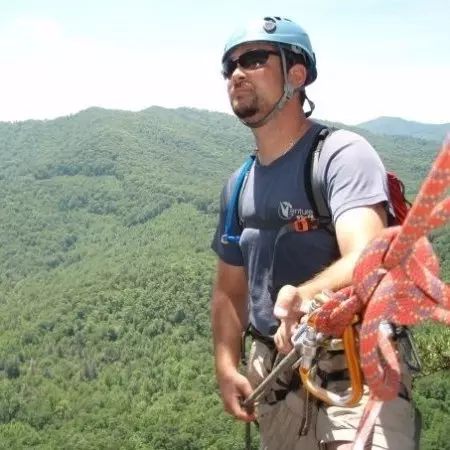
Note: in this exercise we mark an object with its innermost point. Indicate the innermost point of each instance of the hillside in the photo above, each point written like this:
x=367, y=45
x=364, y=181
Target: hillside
x=105, y=280
x=398, y=126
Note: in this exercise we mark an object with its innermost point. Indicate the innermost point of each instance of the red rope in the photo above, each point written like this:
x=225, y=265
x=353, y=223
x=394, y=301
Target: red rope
x=397, y=280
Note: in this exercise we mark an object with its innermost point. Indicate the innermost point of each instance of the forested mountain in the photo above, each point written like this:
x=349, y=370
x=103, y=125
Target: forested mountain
x=105, y=281
x=398, y=126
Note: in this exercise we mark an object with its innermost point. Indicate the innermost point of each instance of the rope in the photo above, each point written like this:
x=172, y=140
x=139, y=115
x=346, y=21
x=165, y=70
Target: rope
x=396, y=280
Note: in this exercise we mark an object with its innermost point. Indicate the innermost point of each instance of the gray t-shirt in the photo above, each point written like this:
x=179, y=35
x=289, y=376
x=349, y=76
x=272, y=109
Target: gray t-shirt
x=352, y=175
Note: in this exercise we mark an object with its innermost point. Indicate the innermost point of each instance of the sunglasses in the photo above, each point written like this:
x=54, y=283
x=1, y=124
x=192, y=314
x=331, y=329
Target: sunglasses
x=251, y=60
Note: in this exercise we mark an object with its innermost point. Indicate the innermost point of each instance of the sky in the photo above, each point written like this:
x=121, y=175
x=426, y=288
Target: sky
x=375, y=57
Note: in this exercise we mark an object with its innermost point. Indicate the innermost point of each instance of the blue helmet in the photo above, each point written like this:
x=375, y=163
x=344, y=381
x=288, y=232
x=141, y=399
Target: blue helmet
x=280, y=31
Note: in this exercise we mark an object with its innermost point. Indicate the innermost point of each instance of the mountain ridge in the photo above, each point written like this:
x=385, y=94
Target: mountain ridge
x=402, y=127
x=390, y=125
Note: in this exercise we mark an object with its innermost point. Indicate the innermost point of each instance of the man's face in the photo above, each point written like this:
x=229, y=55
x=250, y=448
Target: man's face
x=255, y=80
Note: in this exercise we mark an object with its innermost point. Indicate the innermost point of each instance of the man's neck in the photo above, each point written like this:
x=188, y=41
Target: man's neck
x=278, y=136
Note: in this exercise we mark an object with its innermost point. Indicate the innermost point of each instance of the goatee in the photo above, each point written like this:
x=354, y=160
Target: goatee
x=245, y=111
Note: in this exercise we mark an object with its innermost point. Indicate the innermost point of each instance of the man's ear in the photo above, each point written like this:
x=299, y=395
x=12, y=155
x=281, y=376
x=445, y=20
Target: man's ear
x=297, y=75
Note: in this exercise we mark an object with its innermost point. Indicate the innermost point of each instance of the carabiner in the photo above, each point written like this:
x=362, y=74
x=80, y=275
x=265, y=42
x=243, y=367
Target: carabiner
x=307, y=374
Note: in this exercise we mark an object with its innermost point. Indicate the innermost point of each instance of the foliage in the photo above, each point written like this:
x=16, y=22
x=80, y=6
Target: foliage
x=106, y=273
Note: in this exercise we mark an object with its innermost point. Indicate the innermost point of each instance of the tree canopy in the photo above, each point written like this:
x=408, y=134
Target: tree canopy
x=105, y=280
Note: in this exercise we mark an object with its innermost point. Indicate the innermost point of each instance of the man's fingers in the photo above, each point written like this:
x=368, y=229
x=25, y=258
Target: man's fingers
x=282, y=340
x=280, y=313
x=287, y=299
x=234, y=401
x=240, y=412
x=245, y=387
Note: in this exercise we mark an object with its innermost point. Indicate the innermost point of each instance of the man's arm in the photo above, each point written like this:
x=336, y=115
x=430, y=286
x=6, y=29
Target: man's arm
x=355, y=186
x=229, y=311
x=355, y=229
x=229, y=317
x=228, y=314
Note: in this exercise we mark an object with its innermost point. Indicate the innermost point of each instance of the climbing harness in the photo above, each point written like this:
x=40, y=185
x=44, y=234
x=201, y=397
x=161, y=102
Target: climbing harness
x=306, y=343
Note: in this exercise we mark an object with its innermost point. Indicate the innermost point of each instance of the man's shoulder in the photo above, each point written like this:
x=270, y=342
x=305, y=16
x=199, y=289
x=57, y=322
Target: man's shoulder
x=348, y=144
x=340, y=137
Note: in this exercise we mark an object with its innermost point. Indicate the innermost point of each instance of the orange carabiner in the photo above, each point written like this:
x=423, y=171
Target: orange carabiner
x=356, y=386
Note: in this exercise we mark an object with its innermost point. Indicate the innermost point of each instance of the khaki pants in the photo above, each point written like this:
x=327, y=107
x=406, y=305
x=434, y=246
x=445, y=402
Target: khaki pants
x=280, y=422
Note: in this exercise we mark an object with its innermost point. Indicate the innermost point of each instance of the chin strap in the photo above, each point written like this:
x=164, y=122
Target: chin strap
x=289, y=91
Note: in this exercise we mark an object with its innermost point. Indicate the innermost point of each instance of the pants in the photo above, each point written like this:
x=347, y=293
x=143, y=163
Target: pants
x=281, y=422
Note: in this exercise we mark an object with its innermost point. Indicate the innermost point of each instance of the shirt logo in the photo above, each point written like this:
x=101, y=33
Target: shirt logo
x=287, y=212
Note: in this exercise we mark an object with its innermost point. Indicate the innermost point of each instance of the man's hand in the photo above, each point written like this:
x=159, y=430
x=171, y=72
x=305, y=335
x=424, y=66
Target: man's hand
x=290, y=307
x=234, y=388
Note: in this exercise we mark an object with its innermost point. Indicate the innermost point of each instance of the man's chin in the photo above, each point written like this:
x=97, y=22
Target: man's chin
x=245, y=112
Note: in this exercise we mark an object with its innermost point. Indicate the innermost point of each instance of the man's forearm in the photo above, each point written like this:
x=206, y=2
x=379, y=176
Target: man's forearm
x=228, y=321
x=334, y=277
x=355, y=229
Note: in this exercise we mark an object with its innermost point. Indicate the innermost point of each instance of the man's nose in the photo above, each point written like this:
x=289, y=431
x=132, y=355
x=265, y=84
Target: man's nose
x=238, y=73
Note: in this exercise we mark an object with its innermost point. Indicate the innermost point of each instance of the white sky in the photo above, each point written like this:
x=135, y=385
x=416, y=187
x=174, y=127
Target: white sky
x=386, y=57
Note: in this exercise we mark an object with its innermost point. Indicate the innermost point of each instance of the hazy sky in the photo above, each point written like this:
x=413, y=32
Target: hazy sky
x=385, y=57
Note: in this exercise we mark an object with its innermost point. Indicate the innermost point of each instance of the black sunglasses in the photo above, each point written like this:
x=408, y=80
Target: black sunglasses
x=248, y=60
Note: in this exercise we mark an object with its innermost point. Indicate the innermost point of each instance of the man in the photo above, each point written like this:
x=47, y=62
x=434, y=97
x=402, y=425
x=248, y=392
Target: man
x=267, y=279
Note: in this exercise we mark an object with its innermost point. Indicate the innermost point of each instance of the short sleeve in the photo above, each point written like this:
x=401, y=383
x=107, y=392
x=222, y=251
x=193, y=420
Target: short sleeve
x=229, y=252
x=354, y=175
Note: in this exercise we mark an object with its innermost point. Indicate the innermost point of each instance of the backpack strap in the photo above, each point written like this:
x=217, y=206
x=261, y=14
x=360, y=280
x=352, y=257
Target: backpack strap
x=313, y=182
x=230, y=235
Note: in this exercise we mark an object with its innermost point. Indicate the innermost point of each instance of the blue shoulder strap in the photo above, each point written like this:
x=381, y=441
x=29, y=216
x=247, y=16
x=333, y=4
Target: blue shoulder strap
x=233, y=236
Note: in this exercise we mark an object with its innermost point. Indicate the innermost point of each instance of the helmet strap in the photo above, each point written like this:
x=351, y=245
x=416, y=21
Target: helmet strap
x=311, y=104
x=289, y=91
